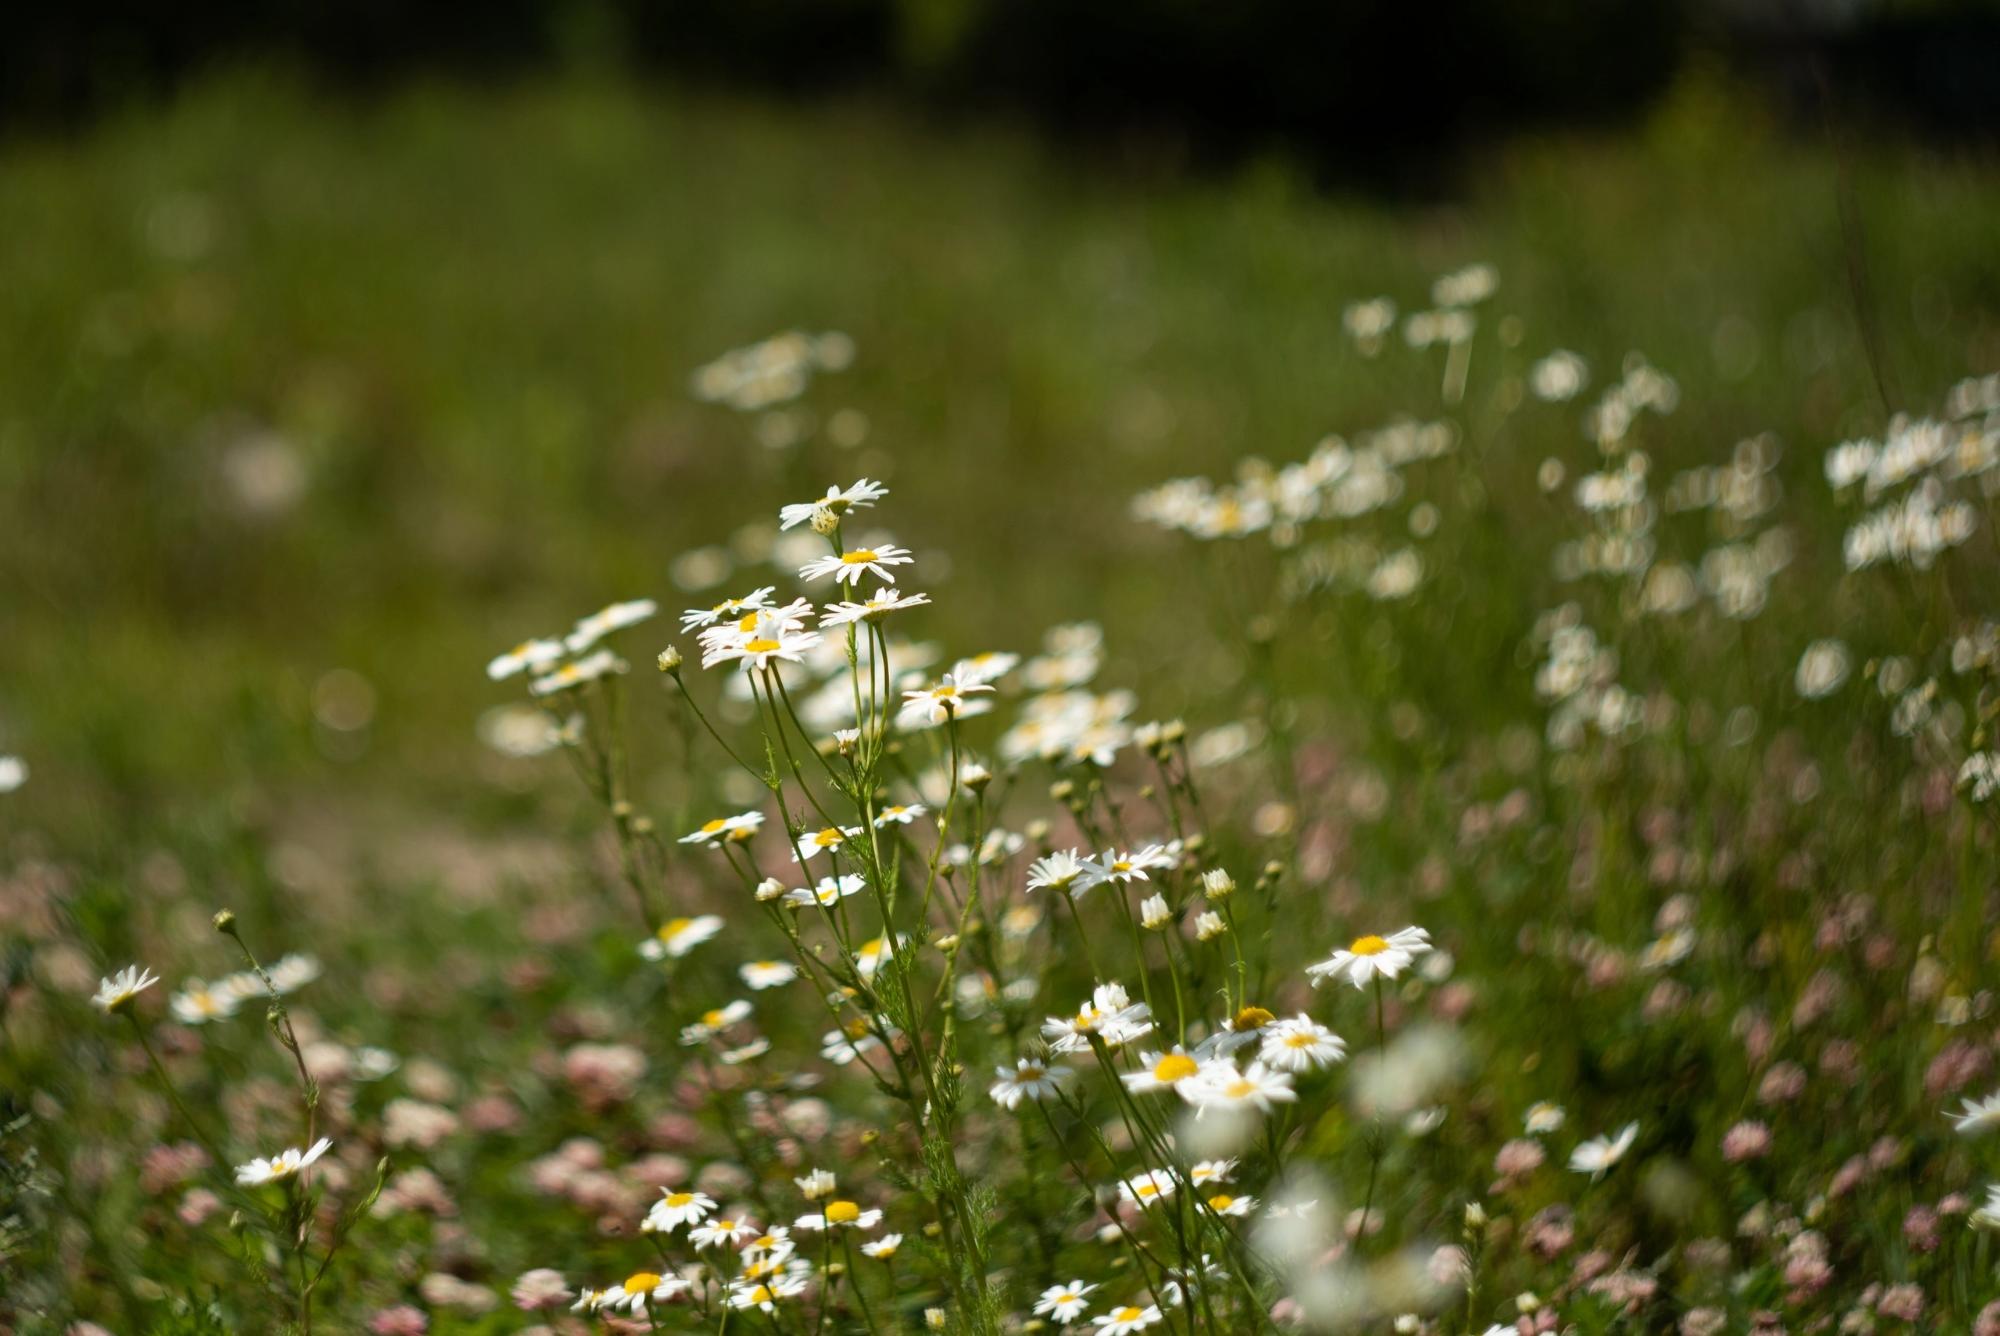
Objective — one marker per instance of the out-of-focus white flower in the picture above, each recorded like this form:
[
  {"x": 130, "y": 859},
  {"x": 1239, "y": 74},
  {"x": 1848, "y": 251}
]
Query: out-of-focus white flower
[
  {"x": 1599, "y": 1154},
  {"x": 280, "y": 1166}
]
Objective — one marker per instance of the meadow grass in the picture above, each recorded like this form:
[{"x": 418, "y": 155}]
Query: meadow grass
[{"x": 308, "y": 408}]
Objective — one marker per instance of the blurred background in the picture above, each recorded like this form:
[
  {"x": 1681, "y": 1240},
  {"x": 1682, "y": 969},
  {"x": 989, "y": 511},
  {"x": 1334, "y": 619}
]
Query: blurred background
[{"x": 344, "y": 344}]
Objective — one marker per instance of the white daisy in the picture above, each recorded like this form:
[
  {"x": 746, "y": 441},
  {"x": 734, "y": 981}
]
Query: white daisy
[
  {"x": 773, "y": 635},
  {"x": 674, "y": 1209},
  {"x": 984, "y": 668},
  {"x": 280, "y": 1166},
  {"x": 1161, "y": 1071},
  {"x": 714, "y": 1022},
  {"x": 1120, "y": 868},
  {"x": 1599, "y": 1154},
  {"x": 603, "y": 622},
  {"x": 677, "y": 937},
  {"x": 827, "y": 840},
  {"x": 115, "y": 994},
  {"x": 1544, "y": 1117},
  {"x": 1055, "y": 872},
  {"x": 774, "y": 1244},
  {"x": 840, "y": 1215},
  {"x": 737, "y": 829},
  {"x": 884, "y": 1248},
  {"x": 764, "y": 1294},
  {"x": 639, "y": 1289},
  {"x": 293, "y": 971},
  {"x": 1978, "y": 1115},
  {"x": 868, "y": 957},
  {"x": 1300, "y": 1044},
  {"x": 530, "y": 656},
  {"x": 578, "y": 673},
  {"x": 1211, "y": 1171},
  {"x": 873, "y": 609},
  {"x": 1155, "y": 1185},
  {"x": 1221, "y": 1086},
  {"x": 899, "y": 814},
  {"x": 1110, "y": 1015},
  {"x": 721, "y": 1230},
  {"x": 1064, "y": 1303},
  {"x": 841, "y": 1047},
  {"x": 819, "y": 1183},
  {"x": 836, "y": 503},
  {"x": 1028, "y": 1079},
  {"x": 830, "y": 891},
  {"x": 946, "y": 700},
  {"x": 1123, "y": 1321},
  {"x": 762, "y": 974},
  {"x": 1367, "y": 957},
  {"x": 850, "y": 566},
  {"x": 197, "y": 1003},
  {"x": 729, "y": 610}
]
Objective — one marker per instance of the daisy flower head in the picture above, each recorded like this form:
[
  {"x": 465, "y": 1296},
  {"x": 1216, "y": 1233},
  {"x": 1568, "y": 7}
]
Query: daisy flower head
[
  {"x": 1597, "y": 1155},
  {"x": 762, "y": 974},
  {"x": 1224, "y": 1204},
  {"x": 899, "y": 814},
  {"x": 640, "y": 1288},
  {"x": 1127, "y": 1319},
  {"x": 1110, "y": 1015},
  {"x": 1211, "y": 1171},
  {"x": 281, "y": 1166},
  {"x": 830, "y": 891},
  {"x": 765, "y": 1294},
  {"x": 868, "y": 957},
  {"x": 679, "y": 936},
  {"x": 1221, "y": 1086},
  {"x": 872, "y": 609},
  {"x": 1978, "y": 1115},
  {"x": 835, "y": 504},
  {"x": 675, "y": 1209},
  {"x": 841, "y": 1047},
  {"x": 607, "y": 620},
  {"x": 948, "y": 699},
  {"x": 775, "y": 1244},
  {"x": 1055, "y": 872},
  {"x": 1064, "y": 1303},
  {"x": 197, "y": 1003},
  {"x": 714, "y": 1021},
  {"x": 1155, "y": 1185},
  {"x": 1027, "y": 1079},
  {"x": 884, "y": 1248},
  {"x": 850, "y": 566},
  {"x": 737, "y": 829},
  {"x": 1162, "y": 1071},
  {"x": 1987, "y": 1215},
  {"x": 1370, "y": 957},
  {"x": 1129, "y": 866},
  {"x": 578, "y": 673},
  {"x": 840, "y": 1214},
  {"x": 720, "y": 1231},
  {"x": 827, "y": 840},
  {"x": 983, "y": 669},
  {"x": 116, "y": 994},
  {"x": 292, "y": 972},
  {"x": 772, "y": 635},
  {"x": 1154, "y": 914},
  {"x": 530, "y": 656},
  {"x": 729, "y": 610},
  {"x": 1544, "y": 1117},
  {"x": 1300, "y": 1044}
]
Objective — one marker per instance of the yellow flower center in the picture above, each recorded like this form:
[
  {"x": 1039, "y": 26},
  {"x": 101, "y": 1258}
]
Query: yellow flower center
[
  {"x": 1303, "y": 1039},
  {"x": 759, "y": 645},
  {"x": 679, "y": 1199},
  {"x": 642, "y": 1282},
  {"x": 673, "y": 928},
  {"x": 1121, "y": 865},
  {"x": 842, "y": 1213},
  {"x": 1174, "y": 1067},
  {"x": 1027, "y": 1074},
  {"x": 860, "y": 556},
  {"x": 1222, "y": 1201},
  {"x": 1253, "y": 1018},
  {"x": 1147, "y": 1190},
  {"x": 761, "y": 1295},
  {"x": 1240, "y": 1088},
  {"x": 827, "y": 838},
  {"x": 1126, "y": 1314},
  {"x": 1371, "y": 945},
  {"x": 759, "y": 1269},
  {"x": 764, "y": 1243},
  {"x": 710, "y": 827},
  {"x": 712, "y": 1019}
]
